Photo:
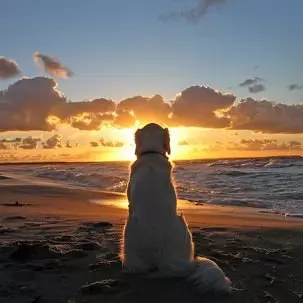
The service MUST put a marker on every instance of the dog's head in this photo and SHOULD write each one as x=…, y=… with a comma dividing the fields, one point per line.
x=152, y=138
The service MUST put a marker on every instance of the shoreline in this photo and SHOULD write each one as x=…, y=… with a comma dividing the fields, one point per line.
x=86, y=203
x=296, y=156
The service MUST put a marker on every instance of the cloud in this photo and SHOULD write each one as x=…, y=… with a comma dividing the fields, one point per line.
x=8, y=68
x=267, y=117
x=53, y=142
x=52, y=66
x=257, y=88
x=250, y=81
x=90, y=121
x=183, y=143
x=87, y=115
x=124, y=118
x=29, y=103
x=145, y=109
x=71, y=109
x=110, y=143
x=294, y=87
x=200, y=106
x=254, y=85
x=263, y=145
x=11, y=140
x=193, y=14
x=94, y=144
x=29, y=143
x=68, y=144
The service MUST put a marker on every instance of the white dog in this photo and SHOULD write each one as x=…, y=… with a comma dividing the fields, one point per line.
x=156, y=239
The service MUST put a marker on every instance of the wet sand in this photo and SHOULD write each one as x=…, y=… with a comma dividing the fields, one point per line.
x=62, y=245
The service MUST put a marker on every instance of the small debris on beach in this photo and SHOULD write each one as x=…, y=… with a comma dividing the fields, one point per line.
x=14, y=218
x=104, y=286
x=15, y=204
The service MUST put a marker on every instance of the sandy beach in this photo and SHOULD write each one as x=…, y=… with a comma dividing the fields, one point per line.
x=61, y=244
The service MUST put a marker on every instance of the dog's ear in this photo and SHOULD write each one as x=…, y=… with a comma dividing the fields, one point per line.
x=167, y=141
x=137, y=141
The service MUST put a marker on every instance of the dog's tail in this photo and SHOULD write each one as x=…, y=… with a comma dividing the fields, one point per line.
x=206, y=276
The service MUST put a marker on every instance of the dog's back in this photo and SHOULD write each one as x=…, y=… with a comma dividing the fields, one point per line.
x=150, y=190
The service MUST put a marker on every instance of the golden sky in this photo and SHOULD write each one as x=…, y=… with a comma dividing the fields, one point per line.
x=113, y=144
x=38, y=123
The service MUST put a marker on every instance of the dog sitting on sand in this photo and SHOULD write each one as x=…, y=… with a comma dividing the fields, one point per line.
x=156, y=239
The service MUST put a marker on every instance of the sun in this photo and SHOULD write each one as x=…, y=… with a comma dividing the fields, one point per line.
x=127, y=152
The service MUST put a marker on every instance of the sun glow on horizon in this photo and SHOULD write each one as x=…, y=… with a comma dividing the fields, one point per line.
x=127, y=151
x=118, y=144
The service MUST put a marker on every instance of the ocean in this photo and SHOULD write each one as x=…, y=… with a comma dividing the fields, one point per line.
x=275, y=184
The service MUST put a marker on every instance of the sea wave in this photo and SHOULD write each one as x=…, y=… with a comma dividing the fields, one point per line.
x=232, y=173
x=104, y=181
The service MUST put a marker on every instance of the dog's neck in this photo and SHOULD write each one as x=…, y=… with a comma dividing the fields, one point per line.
x=152, y=152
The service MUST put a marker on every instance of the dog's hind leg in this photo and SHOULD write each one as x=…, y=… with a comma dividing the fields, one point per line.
x=135, y=265
x=132, y=261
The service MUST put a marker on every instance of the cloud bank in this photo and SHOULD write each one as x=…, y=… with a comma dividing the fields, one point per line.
x=8, y=68
x=37, y=104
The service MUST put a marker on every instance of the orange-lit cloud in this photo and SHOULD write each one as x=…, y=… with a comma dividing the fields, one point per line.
x=52, y=66
x=53, y=142
x=144, y=109
x=8, y=68
x=27, y=103
x=105, y=143
x=197, y=106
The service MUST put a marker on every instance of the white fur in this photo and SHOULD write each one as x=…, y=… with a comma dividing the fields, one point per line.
x=156, y=239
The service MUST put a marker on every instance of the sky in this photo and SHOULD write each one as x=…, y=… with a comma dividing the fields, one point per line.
x=201, y=56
